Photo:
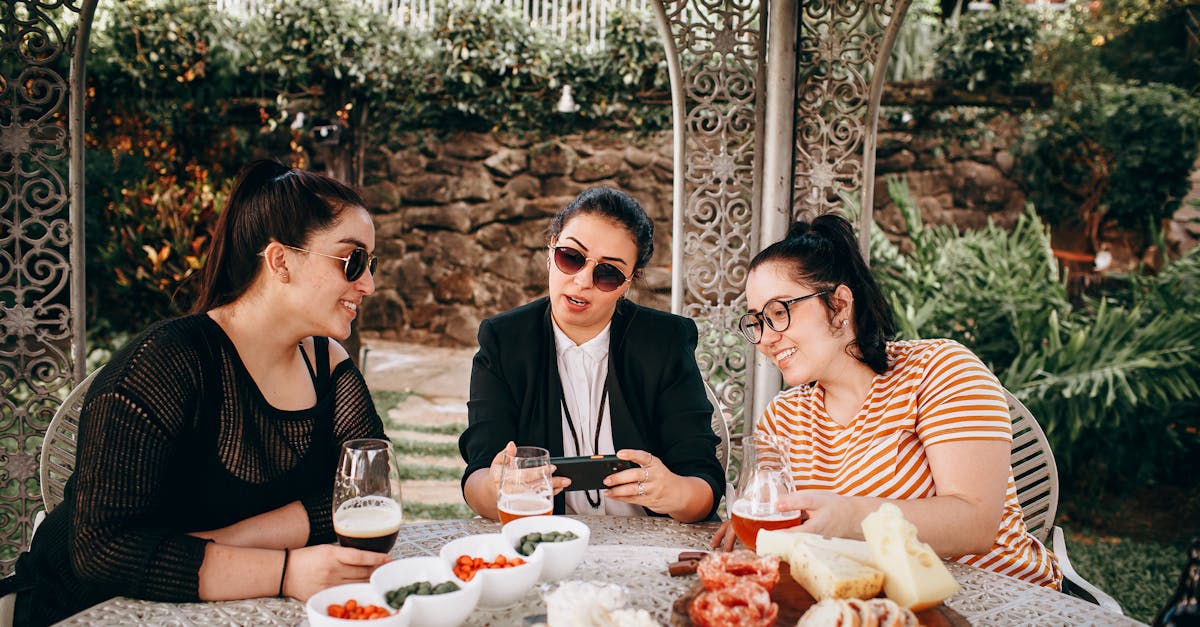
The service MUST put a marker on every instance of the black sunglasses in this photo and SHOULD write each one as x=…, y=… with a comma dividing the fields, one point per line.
x=358, y=261
x=776, y=313
x=605, y=276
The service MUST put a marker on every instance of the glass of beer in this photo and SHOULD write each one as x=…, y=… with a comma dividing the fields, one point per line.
x=366, y=496
x=767, y=477
x=525, y=486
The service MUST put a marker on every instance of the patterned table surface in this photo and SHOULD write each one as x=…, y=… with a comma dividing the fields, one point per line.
x=633, y=552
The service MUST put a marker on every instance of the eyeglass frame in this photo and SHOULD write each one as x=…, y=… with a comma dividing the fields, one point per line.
x=787, y=309
x=554, y=249
x=369, y=266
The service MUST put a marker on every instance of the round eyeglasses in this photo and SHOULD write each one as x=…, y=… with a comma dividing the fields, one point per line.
x=605, y=276
x=357, y=262
x=776, y=313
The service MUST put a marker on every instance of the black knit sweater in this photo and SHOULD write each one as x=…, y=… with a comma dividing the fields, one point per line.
x=176, y=437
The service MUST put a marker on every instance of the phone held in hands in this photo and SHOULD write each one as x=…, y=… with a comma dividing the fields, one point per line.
x=587, y=472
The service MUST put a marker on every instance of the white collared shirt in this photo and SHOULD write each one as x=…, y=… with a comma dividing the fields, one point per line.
x=583, y=369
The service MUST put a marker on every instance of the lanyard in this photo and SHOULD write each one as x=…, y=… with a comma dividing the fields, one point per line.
x=595, y=503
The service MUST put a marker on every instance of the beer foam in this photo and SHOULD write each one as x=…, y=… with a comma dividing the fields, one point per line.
x=367, y=517
x=750, y=510
x=525, y=505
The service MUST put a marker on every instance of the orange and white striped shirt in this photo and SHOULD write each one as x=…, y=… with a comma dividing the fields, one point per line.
x=933, y=392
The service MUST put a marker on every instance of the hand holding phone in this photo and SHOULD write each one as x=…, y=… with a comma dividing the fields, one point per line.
x=587, y=472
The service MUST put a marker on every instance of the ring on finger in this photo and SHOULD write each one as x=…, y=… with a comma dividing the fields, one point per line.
x=645, y=474
x=641, y=488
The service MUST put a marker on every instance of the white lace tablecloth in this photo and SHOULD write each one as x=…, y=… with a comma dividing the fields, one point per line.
x=632, y=552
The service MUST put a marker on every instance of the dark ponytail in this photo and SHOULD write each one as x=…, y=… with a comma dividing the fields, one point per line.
x=823, y=254
x=269, y=201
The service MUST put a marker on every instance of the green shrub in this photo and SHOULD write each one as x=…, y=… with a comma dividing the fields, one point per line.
x=154, y=240
x=987, y=48
x=1109, y=380
x=1121, y=151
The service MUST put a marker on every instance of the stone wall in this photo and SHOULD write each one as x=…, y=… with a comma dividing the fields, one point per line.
x=461, y=223
x=461, y=220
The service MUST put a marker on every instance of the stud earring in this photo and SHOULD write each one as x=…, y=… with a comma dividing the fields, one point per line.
x=844, y=321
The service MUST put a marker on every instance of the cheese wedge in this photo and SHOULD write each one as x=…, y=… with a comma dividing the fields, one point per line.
x=780, y=542
x=916, y=577
x=830, y=575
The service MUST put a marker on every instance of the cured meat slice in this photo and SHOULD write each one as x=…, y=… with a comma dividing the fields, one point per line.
x=720, y=570
x=742, y=604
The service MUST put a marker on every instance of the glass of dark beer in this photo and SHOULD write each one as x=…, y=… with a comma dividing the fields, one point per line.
x=366, y=496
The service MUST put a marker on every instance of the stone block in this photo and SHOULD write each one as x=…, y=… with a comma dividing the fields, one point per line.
x=522, y=186
x=468, y=145
x=423, y=315
x=385, y=309
x=602, y=165
x=474, y=183
x=389, y=226
x=507, y=162
x=552, y=159
x=547, y=206
x=637, y=157
x=981, y=187
x=381, y=197
x=445, y=165
x=899, y=161
x=495, y=236
x=455, y=217
x=455, y=287
x=406, y=162
x=427, y=189
x=462, y=325
x=509, y=264
x=561, y=186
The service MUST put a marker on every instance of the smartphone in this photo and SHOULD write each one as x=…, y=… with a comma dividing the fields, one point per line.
x=588, y=472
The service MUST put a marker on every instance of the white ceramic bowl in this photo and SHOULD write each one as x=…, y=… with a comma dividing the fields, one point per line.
x=501, y=586
x=429, y=610
x=364, y=593
x=560, y=558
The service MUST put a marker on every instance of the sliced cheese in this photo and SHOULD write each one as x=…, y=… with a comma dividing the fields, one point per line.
x=916, y=577
x=830, y=575
x=780, y=543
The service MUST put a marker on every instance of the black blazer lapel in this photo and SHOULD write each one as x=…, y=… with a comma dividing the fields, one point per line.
x=624, y=428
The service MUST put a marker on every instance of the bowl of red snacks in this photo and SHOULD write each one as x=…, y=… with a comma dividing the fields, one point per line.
x=428, y=590
x=504, y=574
x=353, y=604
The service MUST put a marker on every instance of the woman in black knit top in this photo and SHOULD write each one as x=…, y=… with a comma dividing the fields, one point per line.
x=207, y=446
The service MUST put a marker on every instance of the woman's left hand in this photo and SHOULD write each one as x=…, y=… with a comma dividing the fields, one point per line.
x=652, y=485
x=827, y=513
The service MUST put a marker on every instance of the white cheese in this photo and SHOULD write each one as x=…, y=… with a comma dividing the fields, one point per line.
x=780, y=543
x=830, y=575
x=916, y=577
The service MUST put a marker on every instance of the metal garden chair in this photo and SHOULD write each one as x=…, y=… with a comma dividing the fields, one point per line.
x=1037, y=490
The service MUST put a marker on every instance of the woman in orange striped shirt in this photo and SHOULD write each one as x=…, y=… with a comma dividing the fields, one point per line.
x=922, y=424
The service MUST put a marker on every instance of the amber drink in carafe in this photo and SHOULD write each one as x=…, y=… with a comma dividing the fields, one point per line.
x=765, y=478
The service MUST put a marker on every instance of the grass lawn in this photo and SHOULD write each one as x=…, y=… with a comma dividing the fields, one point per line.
x=1139, y=574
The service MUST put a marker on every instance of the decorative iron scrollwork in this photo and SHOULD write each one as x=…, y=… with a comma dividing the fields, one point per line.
x=718, y=45
x=37, y=332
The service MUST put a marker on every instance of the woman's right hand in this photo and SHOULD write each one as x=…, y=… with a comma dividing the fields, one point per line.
x=314, y=568
x=497, y=468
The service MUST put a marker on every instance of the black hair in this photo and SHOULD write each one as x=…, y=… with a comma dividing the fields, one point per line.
x=824, y=254
x=618, y=207
x=269, y=201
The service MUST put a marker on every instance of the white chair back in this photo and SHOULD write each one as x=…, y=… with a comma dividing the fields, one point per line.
x=1034, y=470
x=58, y=449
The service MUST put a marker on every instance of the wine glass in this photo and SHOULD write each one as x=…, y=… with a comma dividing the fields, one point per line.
x=366, y=496
x=525, y=486
x=767, y=476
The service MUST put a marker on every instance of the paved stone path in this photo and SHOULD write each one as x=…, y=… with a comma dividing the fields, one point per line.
x=425, y=425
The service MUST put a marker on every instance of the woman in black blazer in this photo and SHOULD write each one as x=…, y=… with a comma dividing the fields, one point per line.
x=585, y=371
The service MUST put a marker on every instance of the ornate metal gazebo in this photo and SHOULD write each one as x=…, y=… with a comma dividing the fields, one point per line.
x=775, y=106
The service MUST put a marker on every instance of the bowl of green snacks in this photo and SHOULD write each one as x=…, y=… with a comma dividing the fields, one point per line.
x=561, y=541
x=436, y=597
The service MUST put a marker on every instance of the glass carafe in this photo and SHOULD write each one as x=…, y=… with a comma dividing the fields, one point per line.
x=766, y=476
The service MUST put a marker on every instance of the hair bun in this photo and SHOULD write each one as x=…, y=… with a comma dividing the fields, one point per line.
x=799, y=229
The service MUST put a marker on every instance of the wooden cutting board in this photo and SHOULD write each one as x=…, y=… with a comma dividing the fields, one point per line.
x=794, y=601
